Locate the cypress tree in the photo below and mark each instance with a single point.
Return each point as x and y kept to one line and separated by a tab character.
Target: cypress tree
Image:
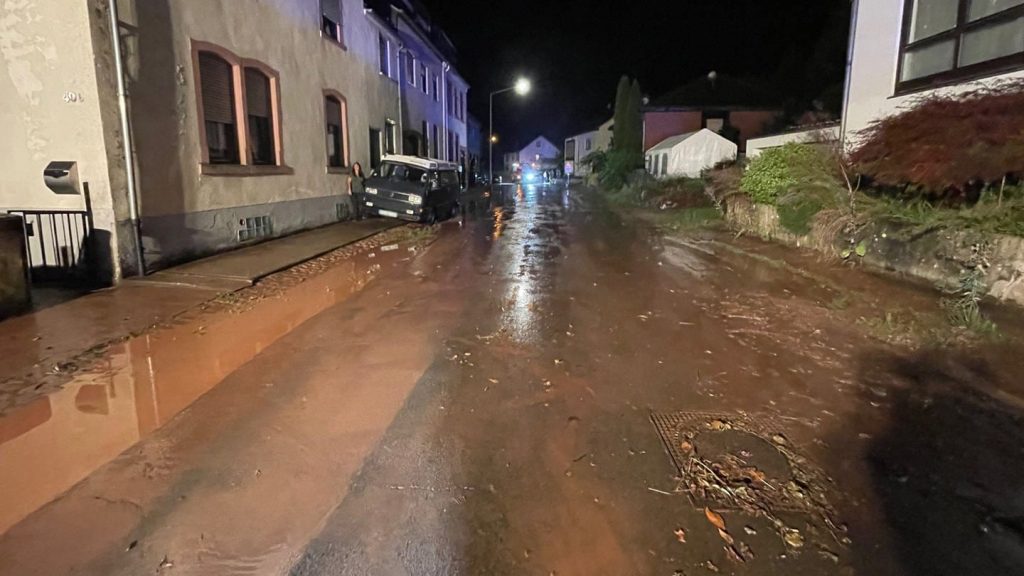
634	120
621	103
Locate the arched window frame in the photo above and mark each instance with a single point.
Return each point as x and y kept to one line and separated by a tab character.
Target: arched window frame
238	66
346	142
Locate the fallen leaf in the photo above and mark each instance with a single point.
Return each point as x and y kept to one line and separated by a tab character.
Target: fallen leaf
726	536
793	538
681	535
686	446
165	563
711	566
715	518
750	530
779	439
719	425
746	552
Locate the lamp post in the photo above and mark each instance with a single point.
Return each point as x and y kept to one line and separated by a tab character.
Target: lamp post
522	88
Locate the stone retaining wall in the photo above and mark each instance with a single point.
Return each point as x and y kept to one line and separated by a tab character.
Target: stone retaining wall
937	256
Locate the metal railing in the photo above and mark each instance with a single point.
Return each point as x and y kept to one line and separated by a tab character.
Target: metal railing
56	244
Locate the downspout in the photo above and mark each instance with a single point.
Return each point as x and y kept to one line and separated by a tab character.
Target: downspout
126	137
445	67
401	114
854	14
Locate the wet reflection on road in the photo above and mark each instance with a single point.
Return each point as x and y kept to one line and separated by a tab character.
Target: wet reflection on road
138	386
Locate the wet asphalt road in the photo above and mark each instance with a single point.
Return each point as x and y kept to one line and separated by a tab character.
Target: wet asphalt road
484	407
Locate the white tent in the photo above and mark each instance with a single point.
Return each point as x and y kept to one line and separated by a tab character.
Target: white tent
689	154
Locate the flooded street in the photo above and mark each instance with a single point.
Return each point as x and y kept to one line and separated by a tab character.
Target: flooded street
547	388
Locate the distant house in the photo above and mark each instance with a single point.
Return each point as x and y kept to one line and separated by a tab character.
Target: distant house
542	152
578	147
902	50
689	154
735	108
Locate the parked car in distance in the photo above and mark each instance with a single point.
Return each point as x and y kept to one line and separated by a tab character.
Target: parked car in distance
414	189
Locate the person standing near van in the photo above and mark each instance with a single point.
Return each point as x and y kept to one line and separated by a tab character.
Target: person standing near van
357	190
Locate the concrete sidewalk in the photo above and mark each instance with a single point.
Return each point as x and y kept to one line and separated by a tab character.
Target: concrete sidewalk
243	267
45	343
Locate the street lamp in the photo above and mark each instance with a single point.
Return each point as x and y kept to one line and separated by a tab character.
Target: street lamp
522	88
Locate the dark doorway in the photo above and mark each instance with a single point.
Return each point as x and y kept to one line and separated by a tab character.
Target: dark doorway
376	148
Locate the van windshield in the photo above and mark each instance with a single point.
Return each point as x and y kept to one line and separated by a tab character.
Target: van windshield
402	173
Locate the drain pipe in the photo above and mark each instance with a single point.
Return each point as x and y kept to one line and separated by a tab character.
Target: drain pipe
126	137
851	46
400	145
445	67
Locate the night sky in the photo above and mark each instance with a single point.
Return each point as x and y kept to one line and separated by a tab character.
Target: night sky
576	50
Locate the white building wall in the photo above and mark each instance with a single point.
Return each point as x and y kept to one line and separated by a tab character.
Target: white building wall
59	104
872	76
757	145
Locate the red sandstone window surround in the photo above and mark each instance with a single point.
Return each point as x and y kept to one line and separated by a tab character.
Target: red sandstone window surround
336	126
239	109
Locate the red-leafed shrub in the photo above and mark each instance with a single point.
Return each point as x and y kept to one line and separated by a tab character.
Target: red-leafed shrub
948	147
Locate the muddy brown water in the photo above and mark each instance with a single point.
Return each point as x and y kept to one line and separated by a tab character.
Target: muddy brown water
484	407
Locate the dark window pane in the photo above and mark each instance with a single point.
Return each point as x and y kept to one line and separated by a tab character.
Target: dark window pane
382	47
335	136
261	127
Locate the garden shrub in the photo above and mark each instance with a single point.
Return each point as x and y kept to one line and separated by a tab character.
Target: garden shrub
780	170
947	148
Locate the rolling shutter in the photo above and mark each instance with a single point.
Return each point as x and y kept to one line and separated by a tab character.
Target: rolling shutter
332	10
215	75
257	93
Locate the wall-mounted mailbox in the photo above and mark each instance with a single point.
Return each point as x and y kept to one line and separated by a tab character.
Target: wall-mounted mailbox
62	178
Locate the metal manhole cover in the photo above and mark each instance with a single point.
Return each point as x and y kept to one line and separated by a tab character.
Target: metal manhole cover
741	461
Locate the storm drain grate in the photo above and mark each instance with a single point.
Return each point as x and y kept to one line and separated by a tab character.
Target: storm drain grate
740	452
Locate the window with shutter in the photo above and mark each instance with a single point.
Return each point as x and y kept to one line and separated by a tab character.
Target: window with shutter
216	77
334	112
331	22
261	125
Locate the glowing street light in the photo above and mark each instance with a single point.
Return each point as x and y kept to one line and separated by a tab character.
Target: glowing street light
522	87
